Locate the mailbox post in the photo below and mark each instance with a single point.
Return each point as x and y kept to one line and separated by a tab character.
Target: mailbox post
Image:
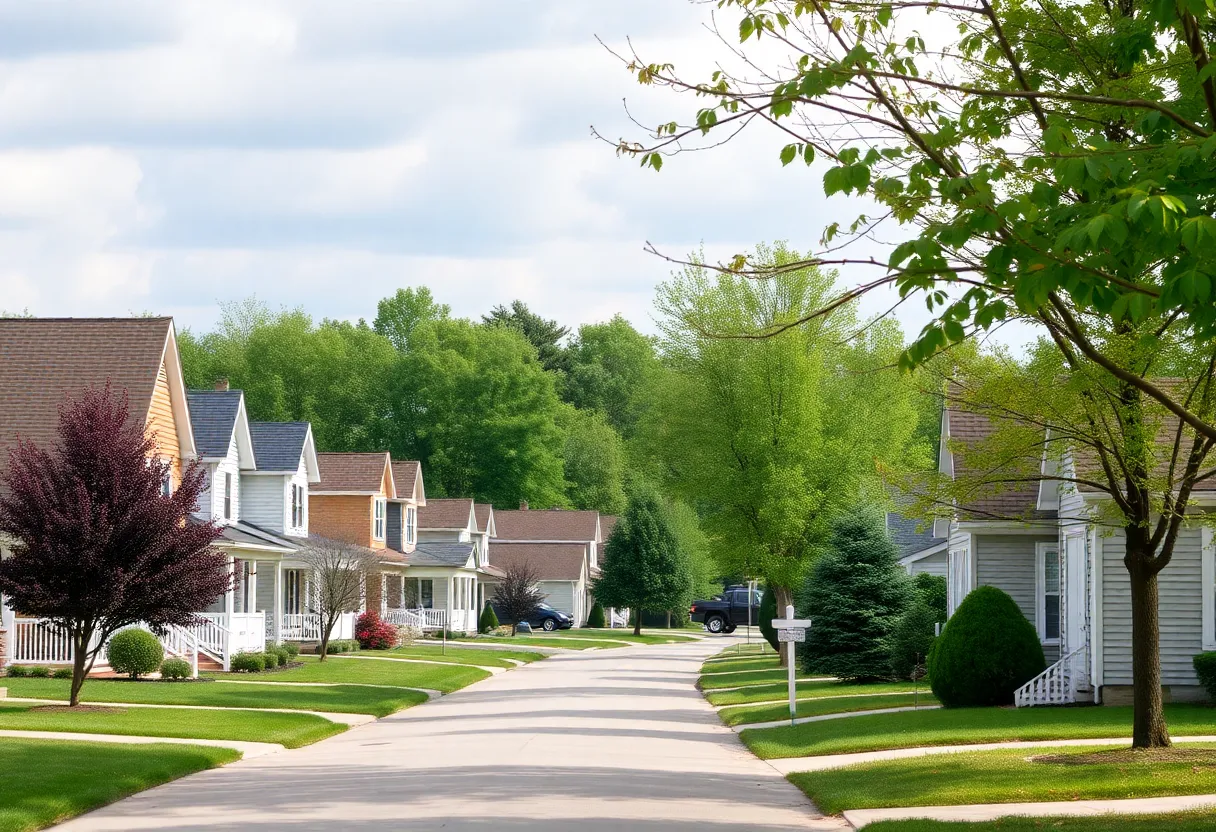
791	631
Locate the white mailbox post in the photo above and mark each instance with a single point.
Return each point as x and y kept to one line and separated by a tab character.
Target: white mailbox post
791	631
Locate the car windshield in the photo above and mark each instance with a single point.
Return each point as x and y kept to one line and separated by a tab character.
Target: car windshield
544	607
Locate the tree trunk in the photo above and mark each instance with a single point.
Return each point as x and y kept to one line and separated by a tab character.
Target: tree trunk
669	619
785	598
637	621
1148	715
325	634
79	667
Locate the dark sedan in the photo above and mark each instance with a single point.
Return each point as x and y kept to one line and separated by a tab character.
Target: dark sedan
544	617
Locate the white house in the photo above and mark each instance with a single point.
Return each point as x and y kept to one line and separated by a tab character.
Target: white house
449	567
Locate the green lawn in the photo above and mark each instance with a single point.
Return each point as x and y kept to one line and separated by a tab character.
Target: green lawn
964	726
818	707
291	730
766	693
749	678
547	640
652	637
459	655
347	699
741	663
47	781
1006	777
1202	821
337	670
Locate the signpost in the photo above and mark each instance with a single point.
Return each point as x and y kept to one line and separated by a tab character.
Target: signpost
791	631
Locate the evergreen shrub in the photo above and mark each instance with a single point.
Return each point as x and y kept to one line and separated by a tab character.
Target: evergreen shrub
62	673
292	648
17	671
40	672
134	652
595	619
489	621
912	639
986	652
175	669
270	660
1205	669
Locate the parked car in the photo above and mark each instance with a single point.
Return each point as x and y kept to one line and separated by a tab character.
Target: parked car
723	613
545	617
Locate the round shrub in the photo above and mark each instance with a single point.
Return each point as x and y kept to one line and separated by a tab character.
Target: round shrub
248	663
135	652
292	648
374	633
986	652
283	653
489	619
595	618
17	671
40	672
175	669
62	673
1205	669
270	659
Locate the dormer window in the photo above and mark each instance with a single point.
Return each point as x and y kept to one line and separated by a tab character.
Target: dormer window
378	518
227	495
297	506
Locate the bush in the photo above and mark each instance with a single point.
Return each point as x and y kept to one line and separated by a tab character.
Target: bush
40	672
489	621
248	663
408	634
62	673
292	648
986	652
270	660
175	669
17	671
1205	669
768	611
135	652
342	645
912	639
283	653
374	633
595	619
932	588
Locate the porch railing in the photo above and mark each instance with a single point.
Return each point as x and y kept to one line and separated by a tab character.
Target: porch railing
1058	684
619	618
32	640
301	627
421	617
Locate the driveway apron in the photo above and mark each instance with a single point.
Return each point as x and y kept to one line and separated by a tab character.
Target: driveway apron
606	740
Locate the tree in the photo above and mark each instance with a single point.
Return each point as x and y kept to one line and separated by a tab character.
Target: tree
768	613
96	544
543	334
518	593
854	596
593	462
644	566
771	437
911	638
932	590
611	366
339	573
1055	166
397	317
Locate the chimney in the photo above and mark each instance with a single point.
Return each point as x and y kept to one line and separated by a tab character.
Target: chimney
523	505
221	384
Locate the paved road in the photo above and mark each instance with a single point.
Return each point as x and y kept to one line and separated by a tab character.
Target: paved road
606	740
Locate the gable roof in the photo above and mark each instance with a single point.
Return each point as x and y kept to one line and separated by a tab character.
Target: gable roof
407	477
607	524
552	561
547	525
45	361
906	536
278	446
446	514
485	518
354	473
440	554
215	415
998	501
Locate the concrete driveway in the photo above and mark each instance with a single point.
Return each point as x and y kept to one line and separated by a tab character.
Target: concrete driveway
606	740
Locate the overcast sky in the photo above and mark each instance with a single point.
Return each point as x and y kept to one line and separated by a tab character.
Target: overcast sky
167	156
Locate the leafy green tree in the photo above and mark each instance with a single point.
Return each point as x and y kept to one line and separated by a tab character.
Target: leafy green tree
911	638
397	316
644	566
610	367
594	462
704	577
932	590
768	613
770	437
854	596
543	334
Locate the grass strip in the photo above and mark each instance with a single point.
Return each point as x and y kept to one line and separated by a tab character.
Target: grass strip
1013	776
768	693
547	640
287	729
458	655
749	663
356	671
964	726
345	699
626	635
1201	821
821	707
47	781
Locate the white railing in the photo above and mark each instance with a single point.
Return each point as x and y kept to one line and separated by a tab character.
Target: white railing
424	619
403	618
33	641
1058	684
619	618
180	642
301	627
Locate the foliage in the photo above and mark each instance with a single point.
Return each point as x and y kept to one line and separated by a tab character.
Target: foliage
96	546
854	595
62	673
175	669
644	566
544	335
292	648
517	594
270	659
398	316
704	576
39	672
339	572
594	462
488	621
986	651
374	633
247	663
16	671
912	638
285	656
932	590
135	652
768	612
1205	669
610	367
596	619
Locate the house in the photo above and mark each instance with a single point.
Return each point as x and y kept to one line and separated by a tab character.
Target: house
563	546
449	566
919	550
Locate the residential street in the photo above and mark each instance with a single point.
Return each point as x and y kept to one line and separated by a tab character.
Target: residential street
602	740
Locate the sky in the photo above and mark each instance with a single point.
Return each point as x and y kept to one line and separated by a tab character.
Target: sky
168	156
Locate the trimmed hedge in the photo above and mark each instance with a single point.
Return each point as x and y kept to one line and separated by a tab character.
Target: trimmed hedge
595	619
17	671
175	669
62	673
488	622
986	652
248	663
1205	669
135	652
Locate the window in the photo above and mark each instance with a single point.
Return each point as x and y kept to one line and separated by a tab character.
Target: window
1047	607
297	506
411	520
426	593
166	480
227	495
960	578
378	518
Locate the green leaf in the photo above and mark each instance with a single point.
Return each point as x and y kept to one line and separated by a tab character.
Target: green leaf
954	331
746	26
788	154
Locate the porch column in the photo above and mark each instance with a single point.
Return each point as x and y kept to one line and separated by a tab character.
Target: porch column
448	603
276	627
383	594
230	595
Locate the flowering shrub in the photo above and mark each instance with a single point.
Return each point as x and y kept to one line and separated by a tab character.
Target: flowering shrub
374	633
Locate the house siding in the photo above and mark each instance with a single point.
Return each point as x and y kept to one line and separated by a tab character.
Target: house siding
161	425
347	518
393	522
264	597
300	478
1007	562
215	484
263	502
935	564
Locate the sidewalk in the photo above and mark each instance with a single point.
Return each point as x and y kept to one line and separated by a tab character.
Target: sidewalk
860	818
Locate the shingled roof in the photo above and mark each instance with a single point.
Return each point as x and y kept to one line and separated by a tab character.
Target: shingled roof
996	501
440	554
551	561
405	477
213	416
546	525
353	472
484	512
607	524
46	361
277	446
445	514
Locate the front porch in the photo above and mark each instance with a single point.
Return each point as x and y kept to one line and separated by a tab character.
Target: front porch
433	598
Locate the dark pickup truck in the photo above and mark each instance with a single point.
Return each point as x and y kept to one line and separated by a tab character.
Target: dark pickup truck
723	613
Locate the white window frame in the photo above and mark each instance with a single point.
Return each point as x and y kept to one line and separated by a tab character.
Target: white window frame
411	521
1208	578
226	497
1041	551
963	555
379	511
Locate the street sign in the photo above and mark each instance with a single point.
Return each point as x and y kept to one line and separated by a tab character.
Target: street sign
790	631
798	635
